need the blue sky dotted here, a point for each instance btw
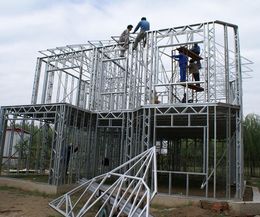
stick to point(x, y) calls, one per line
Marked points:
point(28, 26)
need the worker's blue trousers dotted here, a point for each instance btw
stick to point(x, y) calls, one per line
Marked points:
point(183, 72)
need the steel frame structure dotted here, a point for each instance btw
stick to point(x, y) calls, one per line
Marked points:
point(133, 200)
point(88, 95)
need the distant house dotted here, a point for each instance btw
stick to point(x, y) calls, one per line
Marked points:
point(11, 146)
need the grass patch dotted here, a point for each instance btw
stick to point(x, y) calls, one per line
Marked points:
point(220, 215)
point(255, 182)
point(161, 211)
point(155, 206)
point(190, 203)
point(30, 193)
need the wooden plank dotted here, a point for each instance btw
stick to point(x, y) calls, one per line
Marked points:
point(189, 53)
point(193, 87)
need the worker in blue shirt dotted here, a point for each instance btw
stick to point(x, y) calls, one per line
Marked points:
point(196, 49)
point(182, 59)
point(145, 26)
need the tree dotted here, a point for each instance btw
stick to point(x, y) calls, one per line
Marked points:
point(251, 129)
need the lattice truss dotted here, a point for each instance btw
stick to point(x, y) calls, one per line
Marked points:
point(129, 194)
point(93, 76)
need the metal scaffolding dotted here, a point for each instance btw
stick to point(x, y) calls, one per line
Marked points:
point(86, 94)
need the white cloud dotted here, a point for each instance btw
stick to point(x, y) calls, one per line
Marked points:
point(28, 26)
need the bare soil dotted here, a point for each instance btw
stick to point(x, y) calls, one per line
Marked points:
point(17, 203)
point(186, 211)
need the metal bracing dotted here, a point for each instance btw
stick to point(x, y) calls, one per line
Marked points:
point(94, 77)
point(116, 199)
point(227, 71)
point(211, 62)
point(10, 147)
point(239, 159)
point(30, 148)
point(56, 163)
point(212, 160)
point(37, 154)
point(87, 149)
point(146, 129)
point(228, 148)
point(87, 94)
point(129, 136)
point(36, 81)
point(44, 148)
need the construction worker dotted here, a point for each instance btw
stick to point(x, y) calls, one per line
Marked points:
point(154, 97)
point(184, 99)
point(196, 49)
point(194, 70)
point(124, 38)
point(70, 150)
point(182, 59)
point(145, 26)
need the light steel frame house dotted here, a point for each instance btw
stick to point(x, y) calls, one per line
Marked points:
point(88, 95)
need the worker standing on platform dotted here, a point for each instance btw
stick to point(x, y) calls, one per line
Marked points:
point(182, 58)
point(124, 38)
point(145, 26)
point(196, 49)
point(194, 70)
point(154, 97)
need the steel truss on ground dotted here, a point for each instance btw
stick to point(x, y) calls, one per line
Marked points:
point(128, 195)
point(88, 95)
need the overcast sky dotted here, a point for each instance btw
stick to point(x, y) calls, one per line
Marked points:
point(28, 26)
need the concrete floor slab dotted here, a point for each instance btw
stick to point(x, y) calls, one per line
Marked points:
point(256, 194)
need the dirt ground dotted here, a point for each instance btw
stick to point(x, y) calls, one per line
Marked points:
point(186, 211)
point(16, 203)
